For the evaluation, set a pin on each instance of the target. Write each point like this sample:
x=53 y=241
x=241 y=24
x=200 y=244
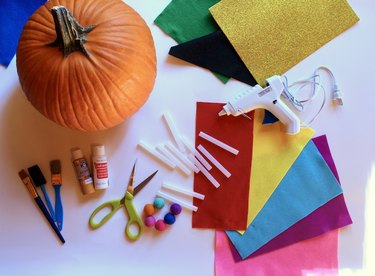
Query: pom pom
x=149 y=209
x=160 y=225
x=149 y=221
x=176 y=209
x=169 y=218
x=159 y=203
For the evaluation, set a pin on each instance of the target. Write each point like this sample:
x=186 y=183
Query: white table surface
x=28 y=245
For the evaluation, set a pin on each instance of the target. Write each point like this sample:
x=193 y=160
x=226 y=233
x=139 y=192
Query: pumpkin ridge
x=118 y=87
x=42 y=28
x=140 y=82
x=109 y=95
x=130 y=98
x=45 y=93
x=111 y=55
x=77 y=123
x=138 y=57
x=41 y=17
x=66 y=120
x=53 y=108
x=99 y=8
x=56 y=109
x=87 y=103
x=28 y=83
x=90 y=81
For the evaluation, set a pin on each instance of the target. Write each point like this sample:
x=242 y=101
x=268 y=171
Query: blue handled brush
x=30 y=187
x=56 y=180
x=39 y=181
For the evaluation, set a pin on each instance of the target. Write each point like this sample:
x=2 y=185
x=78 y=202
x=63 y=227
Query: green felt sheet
x=184 y=20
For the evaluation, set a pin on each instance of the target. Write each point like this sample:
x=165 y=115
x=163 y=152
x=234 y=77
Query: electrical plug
x=336 y=95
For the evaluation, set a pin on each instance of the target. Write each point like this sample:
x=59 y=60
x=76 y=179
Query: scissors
x=127 y=202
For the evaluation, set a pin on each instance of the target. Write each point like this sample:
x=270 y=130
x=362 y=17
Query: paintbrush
x=39 y=181
x=30 y=187
x=56 y=180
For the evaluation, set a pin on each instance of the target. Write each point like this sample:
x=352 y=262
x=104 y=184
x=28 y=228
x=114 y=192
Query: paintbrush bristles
x=37 y=175
x=27 y=181
x=22 y=174
x=55 y=166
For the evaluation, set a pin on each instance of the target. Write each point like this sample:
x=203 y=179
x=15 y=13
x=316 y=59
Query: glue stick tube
x=83 y=172
x=100 y=167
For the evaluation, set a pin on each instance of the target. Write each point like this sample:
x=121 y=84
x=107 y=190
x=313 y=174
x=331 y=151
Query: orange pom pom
x=149 y=209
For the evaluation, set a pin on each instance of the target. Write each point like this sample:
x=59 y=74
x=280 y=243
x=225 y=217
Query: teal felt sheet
x=308 y=185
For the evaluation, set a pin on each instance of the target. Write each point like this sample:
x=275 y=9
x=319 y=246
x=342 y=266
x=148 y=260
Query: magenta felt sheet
x=332 y=215
x=317 y=256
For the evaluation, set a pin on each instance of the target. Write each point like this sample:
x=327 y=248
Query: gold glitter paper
x=271 y=36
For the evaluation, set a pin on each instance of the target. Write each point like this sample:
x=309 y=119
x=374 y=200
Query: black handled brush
x=39 y=181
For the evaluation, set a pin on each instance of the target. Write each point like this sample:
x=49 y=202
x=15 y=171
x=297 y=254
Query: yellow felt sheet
x=274 y=152
x=271 y=36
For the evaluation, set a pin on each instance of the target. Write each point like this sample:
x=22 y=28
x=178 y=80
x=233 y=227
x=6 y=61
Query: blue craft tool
x=56 y=180
x=127 y=202
x=29 y=185
x=39 y=181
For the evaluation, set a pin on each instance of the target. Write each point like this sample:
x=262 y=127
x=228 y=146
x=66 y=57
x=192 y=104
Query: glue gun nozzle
x=222 y=112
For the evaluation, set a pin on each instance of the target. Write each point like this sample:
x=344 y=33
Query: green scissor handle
x=134 y=219
x=113 y=204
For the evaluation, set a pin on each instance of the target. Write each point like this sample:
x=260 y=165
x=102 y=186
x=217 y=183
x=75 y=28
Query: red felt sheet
x=224 y=207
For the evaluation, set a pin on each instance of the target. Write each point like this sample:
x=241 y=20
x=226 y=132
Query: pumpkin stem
x=70 y=35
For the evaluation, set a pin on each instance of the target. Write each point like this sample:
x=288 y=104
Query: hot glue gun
x=266 y=98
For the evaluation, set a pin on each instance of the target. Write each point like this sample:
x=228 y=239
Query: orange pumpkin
x=86 y=64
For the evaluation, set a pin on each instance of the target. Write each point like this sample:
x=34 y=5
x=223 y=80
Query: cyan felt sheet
x=274 y=152
x=332 y=215
x=308 y=185
x=317 y=256
x=13 y=16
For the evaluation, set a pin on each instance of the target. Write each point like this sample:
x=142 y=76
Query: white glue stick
x=204 y=171
x=161 y=148
x=172 y=128
x=214 y=161
x=181 y=156
x=196 y=153
x=182 y=190
x=156 y=154
x=218 y=143
x=176 y=200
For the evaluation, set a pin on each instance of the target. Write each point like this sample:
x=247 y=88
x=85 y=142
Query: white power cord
x=316 y=87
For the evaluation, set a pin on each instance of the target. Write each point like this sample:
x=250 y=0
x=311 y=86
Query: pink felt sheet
x=316 y=256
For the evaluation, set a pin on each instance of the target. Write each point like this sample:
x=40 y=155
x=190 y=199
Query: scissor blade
x=131 y=179
x=143 y=183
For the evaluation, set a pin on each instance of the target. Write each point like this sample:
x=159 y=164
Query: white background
x=28 y=245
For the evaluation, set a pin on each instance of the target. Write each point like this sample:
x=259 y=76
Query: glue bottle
x=100 y=167
x=83 y=173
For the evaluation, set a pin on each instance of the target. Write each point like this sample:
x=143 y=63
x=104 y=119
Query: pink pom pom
x=160 y=225
x=149 y=221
